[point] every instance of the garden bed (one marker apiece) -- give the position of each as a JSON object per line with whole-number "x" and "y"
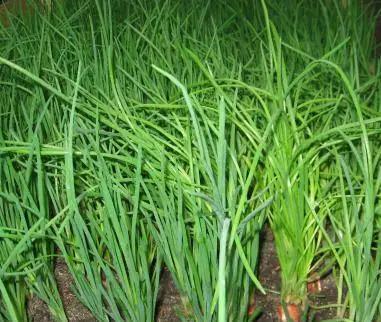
{"x": 227, "y": 152}
{"x": 169, "y": 301}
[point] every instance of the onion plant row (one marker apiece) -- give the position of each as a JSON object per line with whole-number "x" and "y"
{"x": 137, "y": 135}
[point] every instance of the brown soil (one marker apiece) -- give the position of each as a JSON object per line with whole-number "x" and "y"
{"x": 169, "y": 298}
{"x": 75, "y": 311}
{"x": 269, "y": 275}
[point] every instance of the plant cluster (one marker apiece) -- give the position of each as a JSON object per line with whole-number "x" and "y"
{"x": 138, "y": 134}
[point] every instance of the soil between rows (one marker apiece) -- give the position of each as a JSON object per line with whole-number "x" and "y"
{"x": 169, "y": 298}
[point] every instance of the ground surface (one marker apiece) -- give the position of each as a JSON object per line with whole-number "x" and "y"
{"x": 269, "y": 276}
{"x": 169, "y": 299}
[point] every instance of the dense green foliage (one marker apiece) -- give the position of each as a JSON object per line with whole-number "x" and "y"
{"x": 137, "y": 134}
